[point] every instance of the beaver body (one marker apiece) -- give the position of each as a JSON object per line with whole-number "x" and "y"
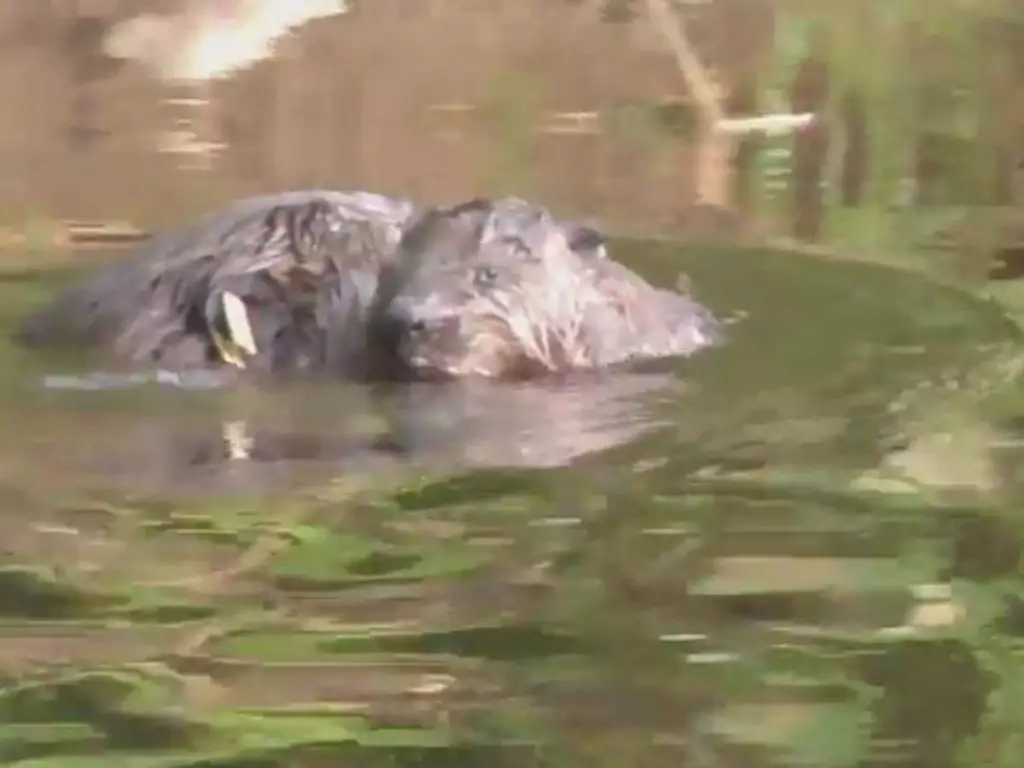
{"x": 501, "y": 289}
{"x": 361, "y": 285}
{"x": 304, "y": 263}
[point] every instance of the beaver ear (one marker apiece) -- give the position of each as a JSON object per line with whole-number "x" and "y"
{"x": 586, "y": 240}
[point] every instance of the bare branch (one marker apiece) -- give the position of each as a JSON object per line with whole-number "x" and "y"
{"x": 702, "y": 85}
{"x": 694, "y": 73}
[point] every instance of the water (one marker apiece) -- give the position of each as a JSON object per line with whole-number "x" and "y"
{"x": 801, "y": 548}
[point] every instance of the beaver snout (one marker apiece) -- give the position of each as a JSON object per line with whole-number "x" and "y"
{"x": 413, "y": 332}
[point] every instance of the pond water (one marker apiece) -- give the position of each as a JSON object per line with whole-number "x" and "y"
{"x": 801, "y": 548}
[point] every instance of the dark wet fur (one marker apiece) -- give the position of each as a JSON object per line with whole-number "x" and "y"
{"x": 322, "y": 273}
{"x": 499, "y": 288}
{"x": 305, "y": 263}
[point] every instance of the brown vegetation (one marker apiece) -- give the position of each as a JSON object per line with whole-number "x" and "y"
{"x": 439, "y": 100}
{"x": 453, "y": 98}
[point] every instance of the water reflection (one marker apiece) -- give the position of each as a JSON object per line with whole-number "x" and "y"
{"x": 749, "y": 560}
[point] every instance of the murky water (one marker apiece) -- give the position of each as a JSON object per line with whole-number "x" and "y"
{"x": 798, "y": 549}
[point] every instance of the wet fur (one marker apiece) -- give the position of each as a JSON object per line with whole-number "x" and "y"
{"x": 321, "y": 272}
{"x": 305, "y": 263}
{"x": 551, "y": 299}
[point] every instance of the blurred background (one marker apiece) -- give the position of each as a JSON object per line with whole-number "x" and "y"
{"x": 802, "y": 548}
{"x": 148, "y": 112}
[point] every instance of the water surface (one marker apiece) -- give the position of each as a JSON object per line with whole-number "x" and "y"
{"x": 798, "y": 549}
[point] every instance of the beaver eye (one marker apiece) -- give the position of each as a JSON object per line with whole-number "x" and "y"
{"x": 486, "y": 276}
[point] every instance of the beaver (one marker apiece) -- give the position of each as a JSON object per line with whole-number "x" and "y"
{"x": 303, "y": 264}
{"x": 300, "y": 267}
{"x": 499, "y": 289}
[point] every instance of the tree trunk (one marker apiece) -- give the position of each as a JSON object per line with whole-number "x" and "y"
{"x": 809, "y": 93}
{"x": 856, "y": 154}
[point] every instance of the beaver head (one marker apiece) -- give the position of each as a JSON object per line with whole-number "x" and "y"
{"x": 502, "y": 290}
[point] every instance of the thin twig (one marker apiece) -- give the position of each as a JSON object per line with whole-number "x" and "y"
{"x": 694, "y": 73}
